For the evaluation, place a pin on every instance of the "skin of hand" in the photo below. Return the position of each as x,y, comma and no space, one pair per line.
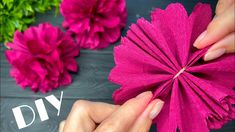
135,115
220,32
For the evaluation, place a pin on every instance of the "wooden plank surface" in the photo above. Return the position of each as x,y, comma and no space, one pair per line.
90,83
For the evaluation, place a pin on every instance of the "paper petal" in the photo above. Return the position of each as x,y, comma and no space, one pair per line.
96,24
158,56
41,58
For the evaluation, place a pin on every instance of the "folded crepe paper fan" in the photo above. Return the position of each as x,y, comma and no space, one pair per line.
159,56
94,23
42,57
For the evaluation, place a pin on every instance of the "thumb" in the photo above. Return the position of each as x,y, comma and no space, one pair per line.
125,116
143,123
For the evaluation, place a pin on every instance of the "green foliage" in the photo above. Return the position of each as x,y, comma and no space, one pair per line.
18,14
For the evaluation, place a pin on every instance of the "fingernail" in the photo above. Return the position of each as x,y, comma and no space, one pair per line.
214,54
199,39
156,109
143,94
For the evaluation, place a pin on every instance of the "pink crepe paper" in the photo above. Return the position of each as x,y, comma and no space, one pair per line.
158,56
41,58
95,23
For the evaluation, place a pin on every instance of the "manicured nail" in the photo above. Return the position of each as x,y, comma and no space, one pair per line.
156,109
214,54
199,39
143,94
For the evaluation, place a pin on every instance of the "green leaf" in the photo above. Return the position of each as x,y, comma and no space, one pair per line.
19,14
28,20
8,3
16,23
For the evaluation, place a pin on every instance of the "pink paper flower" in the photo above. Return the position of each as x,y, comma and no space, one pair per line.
159,56
95,23
42,57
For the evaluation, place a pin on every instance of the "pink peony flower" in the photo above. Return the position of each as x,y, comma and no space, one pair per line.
95,23
42,57
159,56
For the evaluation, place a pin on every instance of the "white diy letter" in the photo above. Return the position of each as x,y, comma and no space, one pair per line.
41,110
19,117
55,102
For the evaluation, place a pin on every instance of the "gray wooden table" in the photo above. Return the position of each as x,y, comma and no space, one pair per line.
90,83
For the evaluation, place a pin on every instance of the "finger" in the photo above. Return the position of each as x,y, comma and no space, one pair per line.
225,45
61,127
219,27
99,111
222,5
143,123
85,114
122,119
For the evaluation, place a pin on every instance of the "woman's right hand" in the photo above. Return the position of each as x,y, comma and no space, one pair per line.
220,32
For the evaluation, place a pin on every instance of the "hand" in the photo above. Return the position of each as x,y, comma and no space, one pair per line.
220,32
132,116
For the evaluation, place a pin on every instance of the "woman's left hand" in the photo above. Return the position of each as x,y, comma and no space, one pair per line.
133,116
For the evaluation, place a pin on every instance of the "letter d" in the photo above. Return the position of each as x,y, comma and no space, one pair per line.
19,117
